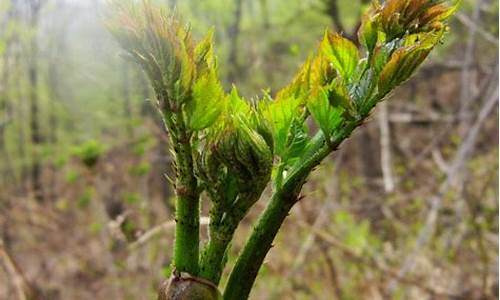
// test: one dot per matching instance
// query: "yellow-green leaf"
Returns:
(204, 54)
(368, 33)
(207, 102)
(237, 105)
(404, 61)
(342, 54)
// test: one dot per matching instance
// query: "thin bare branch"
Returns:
(23, 288)
(453, 180)
(467, 21)
(385, 148)
(151, 233)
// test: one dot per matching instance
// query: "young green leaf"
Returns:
(399, 17)
(341, 52)
(207, 102)
(204, 55)
(280, 116)
(327, 116)
(237, 143)
(380, 56)
(187, 69)
(316, 71)
(404, 61)
(368, 33)
(254, 151)
(362, 92)
(298, 141)
(338, 95)
(237, 105)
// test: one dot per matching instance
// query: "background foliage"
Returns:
(406, 209)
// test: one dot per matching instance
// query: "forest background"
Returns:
(406, 209)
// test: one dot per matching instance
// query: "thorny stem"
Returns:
(187, 214)
(260, 241)
(221, 233)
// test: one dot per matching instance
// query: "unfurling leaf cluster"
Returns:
(231, 147)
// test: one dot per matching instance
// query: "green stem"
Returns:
(260, 241)
(212, 257)
(221, 235)
(249, 261)
(186, 248)
(213, 260)
(187, 214)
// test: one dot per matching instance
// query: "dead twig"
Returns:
(469, 23)
(151, 233)
(24, 290)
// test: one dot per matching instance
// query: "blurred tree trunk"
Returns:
(265, 14)
(21, 127)
(58, 47)
(36, 135)
(233, 35)
(367, 150)
(53, 78)
(6, 119)
(332, 10)
(385, 148)
(17, 97)
(467, 73)
(171, 3)
(5, 103)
